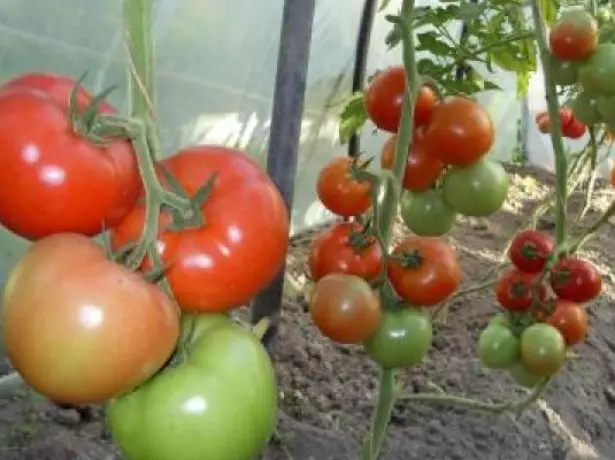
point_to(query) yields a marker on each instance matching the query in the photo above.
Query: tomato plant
(65, 183)
(460, 131)
(574, 36)
(571, 320)
(345, 308)
(225, 368)
(530, 249)
(340, 192)
(243, 242)
(425, 270)
(344, 248)
(576, 280)
(543, 349)
(477, 190)
(384, 98)
(81, 329)
(516, 290)
(426, 213)
(402, 339)
(498, 347)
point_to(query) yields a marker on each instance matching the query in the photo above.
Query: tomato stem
(382, 415)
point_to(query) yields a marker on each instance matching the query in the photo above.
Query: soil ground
(327, 391)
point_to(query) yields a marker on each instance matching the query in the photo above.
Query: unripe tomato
(571, 320)
(574, 36)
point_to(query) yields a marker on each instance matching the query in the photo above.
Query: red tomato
(56, 181)
(422, 169)
(574, 36)
(574, 130)
(385, 95)
(332, 252)
(460, 132)
(81, 329)
(571, 320)
(430, 274)
(339, 192)
(515, 290)
(242, 246)
(543, 120)
(530, 249)
(576, 280)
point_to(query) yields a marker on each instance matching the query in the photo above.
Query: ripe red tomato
(460, 131)
(530, 249)
(515, 290)
(431, 273)
(332, 252)
(571, 320)
(223, 264)
(56, 181)
(543, 120)
(576, 280)
(81, 329)
(422, 169)
(345, 308)
(574, 130)
(341, 193)
(574, 36)
(385, 95)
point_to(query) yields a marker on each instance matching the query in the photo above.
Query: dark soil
(327, 392)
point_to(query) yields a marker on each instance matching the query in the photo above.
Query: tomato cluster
(82, 328)
(570, 125)
(544, 304)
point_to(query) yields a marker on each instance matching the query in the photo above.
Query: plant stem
(386, 401)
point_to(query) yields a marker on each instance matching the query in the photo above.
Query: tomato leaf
(353, 117)
(548, 9)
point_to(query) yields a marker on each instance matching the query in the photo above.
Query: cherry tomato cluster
(571, 127)
(545, 313)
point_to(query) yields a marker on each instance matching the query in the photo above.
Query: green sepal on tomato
(220, 402)
(426, 213)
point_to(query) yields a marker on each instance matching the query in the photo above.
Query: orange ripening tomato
(570, 318)
(574, 36)
(341, 193)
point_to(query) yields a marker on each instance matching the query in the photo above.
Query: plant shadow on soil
(327, 391)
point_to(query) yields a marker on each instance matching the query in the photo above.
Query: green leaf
(383, 4)
(548, 9)
(429, 41)
(353, 117)
(523, 83)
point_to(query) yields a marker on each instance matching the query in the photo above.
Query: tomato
(523, 376)
(65, 183)
(515, 290)
(597, 73)
(576, 280)
(543, 121)
(460, 131)
(571, 320)
(426, 213)
(498, 347)
(477, 190)
(574, 130)
(585, 112)
(345, 308)
(604, 15)
(403, 338)
(384, 98)
(501, 319)
(81, 329)
(219, 403)
(243, 243)
(530, 249)
(428, 274)
(574, 35)
(332, 252)
(543, 349)
(422, 169)
(339, 192)
(564, 73)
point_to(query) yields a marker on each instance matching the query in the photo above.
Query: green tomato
(498, 347)
(564, 73)
(219, 403)
(597, 73)
(585, 108)
(197, 324)
(606, 108)
(402, 339)
(477, 190)
(500, 318)
(604, 16)
(543, 349)
(523, 376)
(426, 213)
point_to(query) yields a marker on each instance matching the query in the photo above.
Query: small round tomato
(345, 308)
(530, 249)
(523, 376)
(585, 110)
(574, 35)
(516, 290)
(498, 347)
(460, 131)
(574, 130)
(501, 319)
(596, 72)
(342, 248)
(422, 169)
(576, 280)
(384, 98)
(565, 73)
(403, 338)
(428, 273)
(543, 349)
(571, 320)
(477, 190)
(81, 329)
(543, 122)
(426, 213)
(341, 193)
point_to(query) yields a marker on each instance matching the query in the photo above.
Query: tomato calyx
(361, 237)
(358, 169)
(411, 258)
